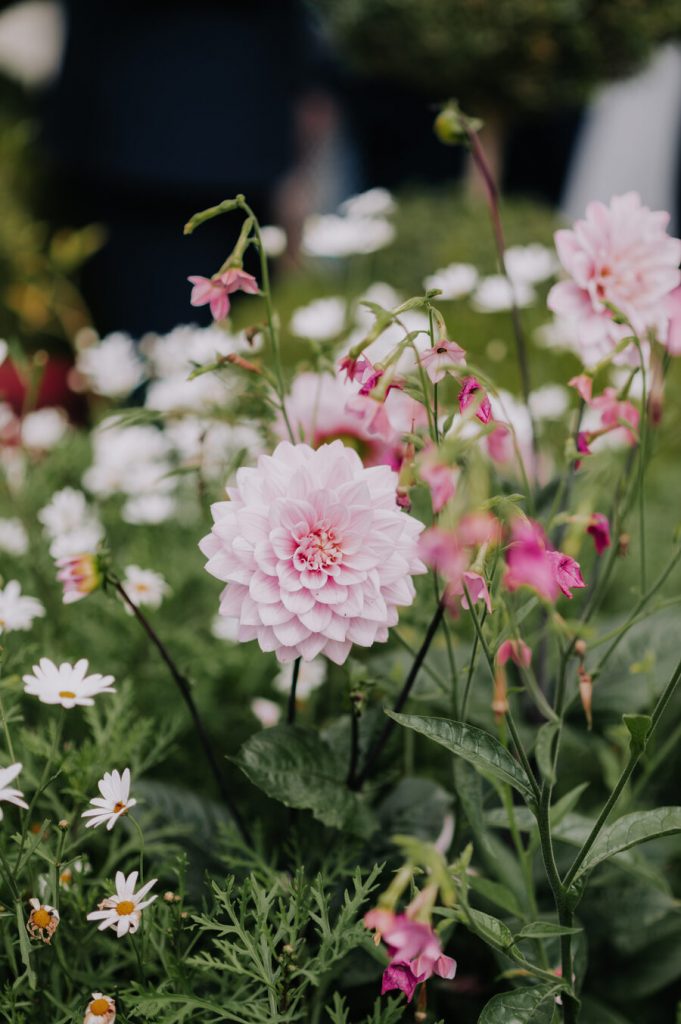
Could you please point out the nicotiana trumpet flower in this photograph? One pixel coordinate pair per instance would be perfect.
(215, 291)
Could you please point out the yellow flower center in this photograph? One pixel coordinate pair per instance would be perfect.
(125, 907)
(142, 588)
(67, 693)
(99, 1007)
(120, 806)
(41, 918)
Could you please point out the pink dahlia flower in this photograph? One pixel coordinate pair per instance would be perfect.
(315, 553)
(215, 291)
(620, 255)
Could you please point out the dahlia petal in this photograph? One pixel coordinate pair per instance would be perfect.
(317, 619)
(337, 652)
(298, 602)
(263, 589)
(291, 632)
(311, 646)
(332, 592)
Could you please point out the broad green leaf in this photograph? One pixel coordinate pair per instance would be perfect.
(639, 727)
(492, 929)
(543, 750)
(415, 806)
(476, 746)
(631, 830)
(544, 930)
(295, 766)
(496, 893)
(522, 1006)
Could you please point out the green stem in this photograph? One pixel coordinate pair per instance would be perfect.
(291, 713)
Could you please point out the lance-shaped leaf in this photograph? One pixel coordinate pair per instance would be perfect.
(476, 746)
(631, 830)
(522, 1006)
(545, 930)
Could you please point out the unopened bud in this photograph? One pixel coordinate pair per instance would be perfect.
(580, 648)
(244, 364)
(169, 896)
(63, 824)
(585, 694)
(402, 498)
(623, 545)
(500, 700)
(252, 332)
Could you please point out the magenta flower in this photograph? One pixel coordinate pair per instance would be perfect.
(616, 414)
(215, 291)
(440, 358)
(314, 551)
(599, 529)
(567, 572)
(527, 561)
(470, 386)
(477, 588)
(414, 949)
(355, 369)
(621, 256)
(516, 651)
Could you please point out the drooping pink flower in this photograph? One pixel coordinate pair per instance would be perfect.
(567, 572)
(355, 369)
(215, 291)
(478, 528)
(440, 358)
(583, 385)
(582, 446)
(441, 550)
(673, 340)
(619, 255)
(527, 562)
(440, 478)
(79, 575)
(470, 386)
(476, 586)
(616, 413)
(516, 651)
(414, 949)
(316, 555)
(499, 444)
(599, 529)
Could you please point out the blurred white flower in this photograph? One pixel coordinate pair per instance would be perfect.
(311, 675)
(144, 587)
(319, 320)
(178, 394)
(413, 320)
(495, 294)
(115, 800)
(274, 240)
(620, 375)
(453, 281)
(383, 295)
(224, 628)
(328, 235)
(268, 712)
(559, 335)
(530, 264)
(549, 402)
(66, 510)
(149, 509)
(13, 537)
(8, 794)
(211, 444)
(17, 611)
(80, 541)
(375, 202)
(4, 350)
(111, 368)
(44, 428)
(129, 460)
(65, 684)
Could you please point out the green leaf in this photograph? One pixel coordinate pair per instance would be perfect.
(296, 767)
(477, 747)
(543, 750)
(631, 830)
(491, 929)
(544, 930)
(639, 727)
(521, 1006)
(496, 893)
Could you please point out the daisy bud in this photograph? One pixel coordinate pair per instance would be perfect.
(80, 575)
(63, 824)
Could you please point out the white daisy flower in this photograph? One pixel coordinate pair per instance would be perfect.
(66, 512)
(42, 921)
(114, 801)
(17, 611)
(328, 235)
(453, 281)
(112, 367)
(7, 792)
(274, 240)
(68, 685)
(13, 537)
(319, 320)
(144, 586)
(530, 264)
(123, 910)
(496, 293)
(100, 1010)
(375, 202)
(44, 428)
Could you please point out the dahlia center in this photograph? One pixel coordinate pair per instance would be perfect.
(41, 918)
(319, 549)
(99, 1007)
(124, 908)
(67, 694)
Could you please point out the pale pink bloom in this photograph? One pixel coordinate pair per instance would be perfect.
(79, 575)
(442, 357)
(599, 529)
(477, 588)
(357, 368)
(316, 555)
(478, 528)
(567, 572)
(468, 395)
(527, 561)
(440, 478)
(583, 385)
(619, 255)
(616, 413)
(215, 291)
(441, 550)
(673, 341)
(516, 651)
(500, 444)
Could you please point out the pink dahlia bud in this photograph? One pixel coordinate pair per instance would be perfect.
(80, 575)
(619, 257)
(314, 551)
(443, 356)
(470, 386)
(215, 291)
(599, 529)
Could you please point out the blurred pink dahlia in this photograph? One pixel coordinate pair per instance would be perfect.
(314, 551)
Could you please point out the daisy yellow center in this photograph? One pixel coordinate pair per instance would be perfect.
(124, 908)
(67, 693)
(41, 918)
(319, 549)
(120, 806)
(142, 588)
(99, 1007)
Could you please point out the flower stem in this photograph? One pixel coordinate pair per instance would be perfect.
(386, 732)
(184, 687)
(291, 715)
(354, 746)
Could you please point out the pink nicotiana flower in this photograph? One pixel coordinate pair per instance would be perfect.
(599, 529)
(616, 413)
(476, 586)
(567, 572)
(530, 562)
(470, 386)
(516, 651)
(443, 356)
(414, 949)
(583, 385)
(314, 551)
(440, 478)
(355, 368)
(442, 549)
(619, 256)
(215, 291)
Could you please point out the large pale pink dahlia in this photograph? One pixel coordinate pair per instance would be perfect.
(315, 553)
(620, 255)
